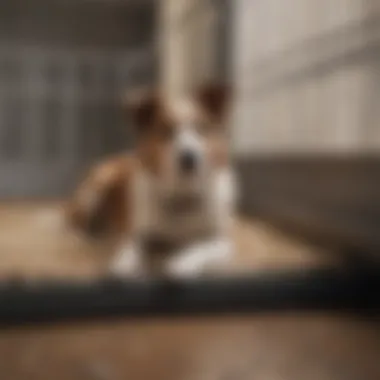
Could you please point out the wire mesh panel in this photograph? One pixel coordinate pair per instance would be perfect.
(60, 92)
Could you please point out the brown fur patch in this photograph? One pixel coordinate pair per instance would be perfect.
(215, 99)
(108, 184)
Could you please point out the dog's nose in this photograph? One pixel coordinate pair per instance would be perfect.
(187, 161)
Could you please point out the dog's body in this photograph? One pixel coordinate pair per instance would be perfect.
(174, 194)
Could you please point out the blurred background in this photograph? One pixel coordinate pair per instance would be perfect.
(305, 140)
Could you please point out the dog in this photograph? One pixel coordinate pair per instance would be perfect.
(174, 194)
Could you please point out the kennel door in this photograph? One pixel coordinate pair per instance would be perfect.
(63, 67)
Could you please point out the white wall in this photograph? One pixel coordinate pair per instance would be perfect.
(307, 74)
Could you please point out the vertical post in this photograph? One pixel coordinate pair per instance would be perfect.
(188, 31)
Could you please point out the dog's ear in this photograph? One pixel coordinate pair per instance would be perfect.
(214, 99)
(142, 106)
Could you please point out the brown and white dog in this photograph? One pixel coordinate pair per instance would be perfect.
(175, 193)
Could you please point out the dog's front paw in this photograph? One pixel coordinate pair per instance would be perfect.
(198, 259)
(127, 263)
(186, 263)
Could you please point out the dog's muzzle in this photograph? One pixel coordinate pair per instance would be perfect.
(188, 162)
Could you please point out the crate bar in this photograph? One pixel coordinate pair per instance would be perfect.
(339, 290)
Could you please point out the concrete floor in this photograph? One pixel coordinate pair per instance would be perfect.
(266, 347)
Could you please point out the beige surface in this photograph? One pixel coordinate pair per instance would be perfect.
(34, 243)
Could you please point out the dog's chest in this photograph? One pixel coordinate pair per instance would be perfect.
(174, 215)
(181, 216)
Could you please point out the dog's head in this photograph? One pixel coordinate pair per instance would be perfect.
(181, 140)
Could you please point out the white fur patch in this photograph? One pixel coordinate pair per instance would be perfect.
(189, 139)
(194, 260)
(128, 261)
(223, 197)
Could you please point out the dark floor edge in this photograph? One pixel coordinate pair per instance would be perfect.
(315, 290)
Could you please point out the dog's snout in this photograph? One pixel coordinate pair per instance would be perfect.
(188, 161)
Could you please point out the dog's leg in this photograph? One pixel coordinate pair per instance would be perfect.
(197, 258)
(127, 261)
